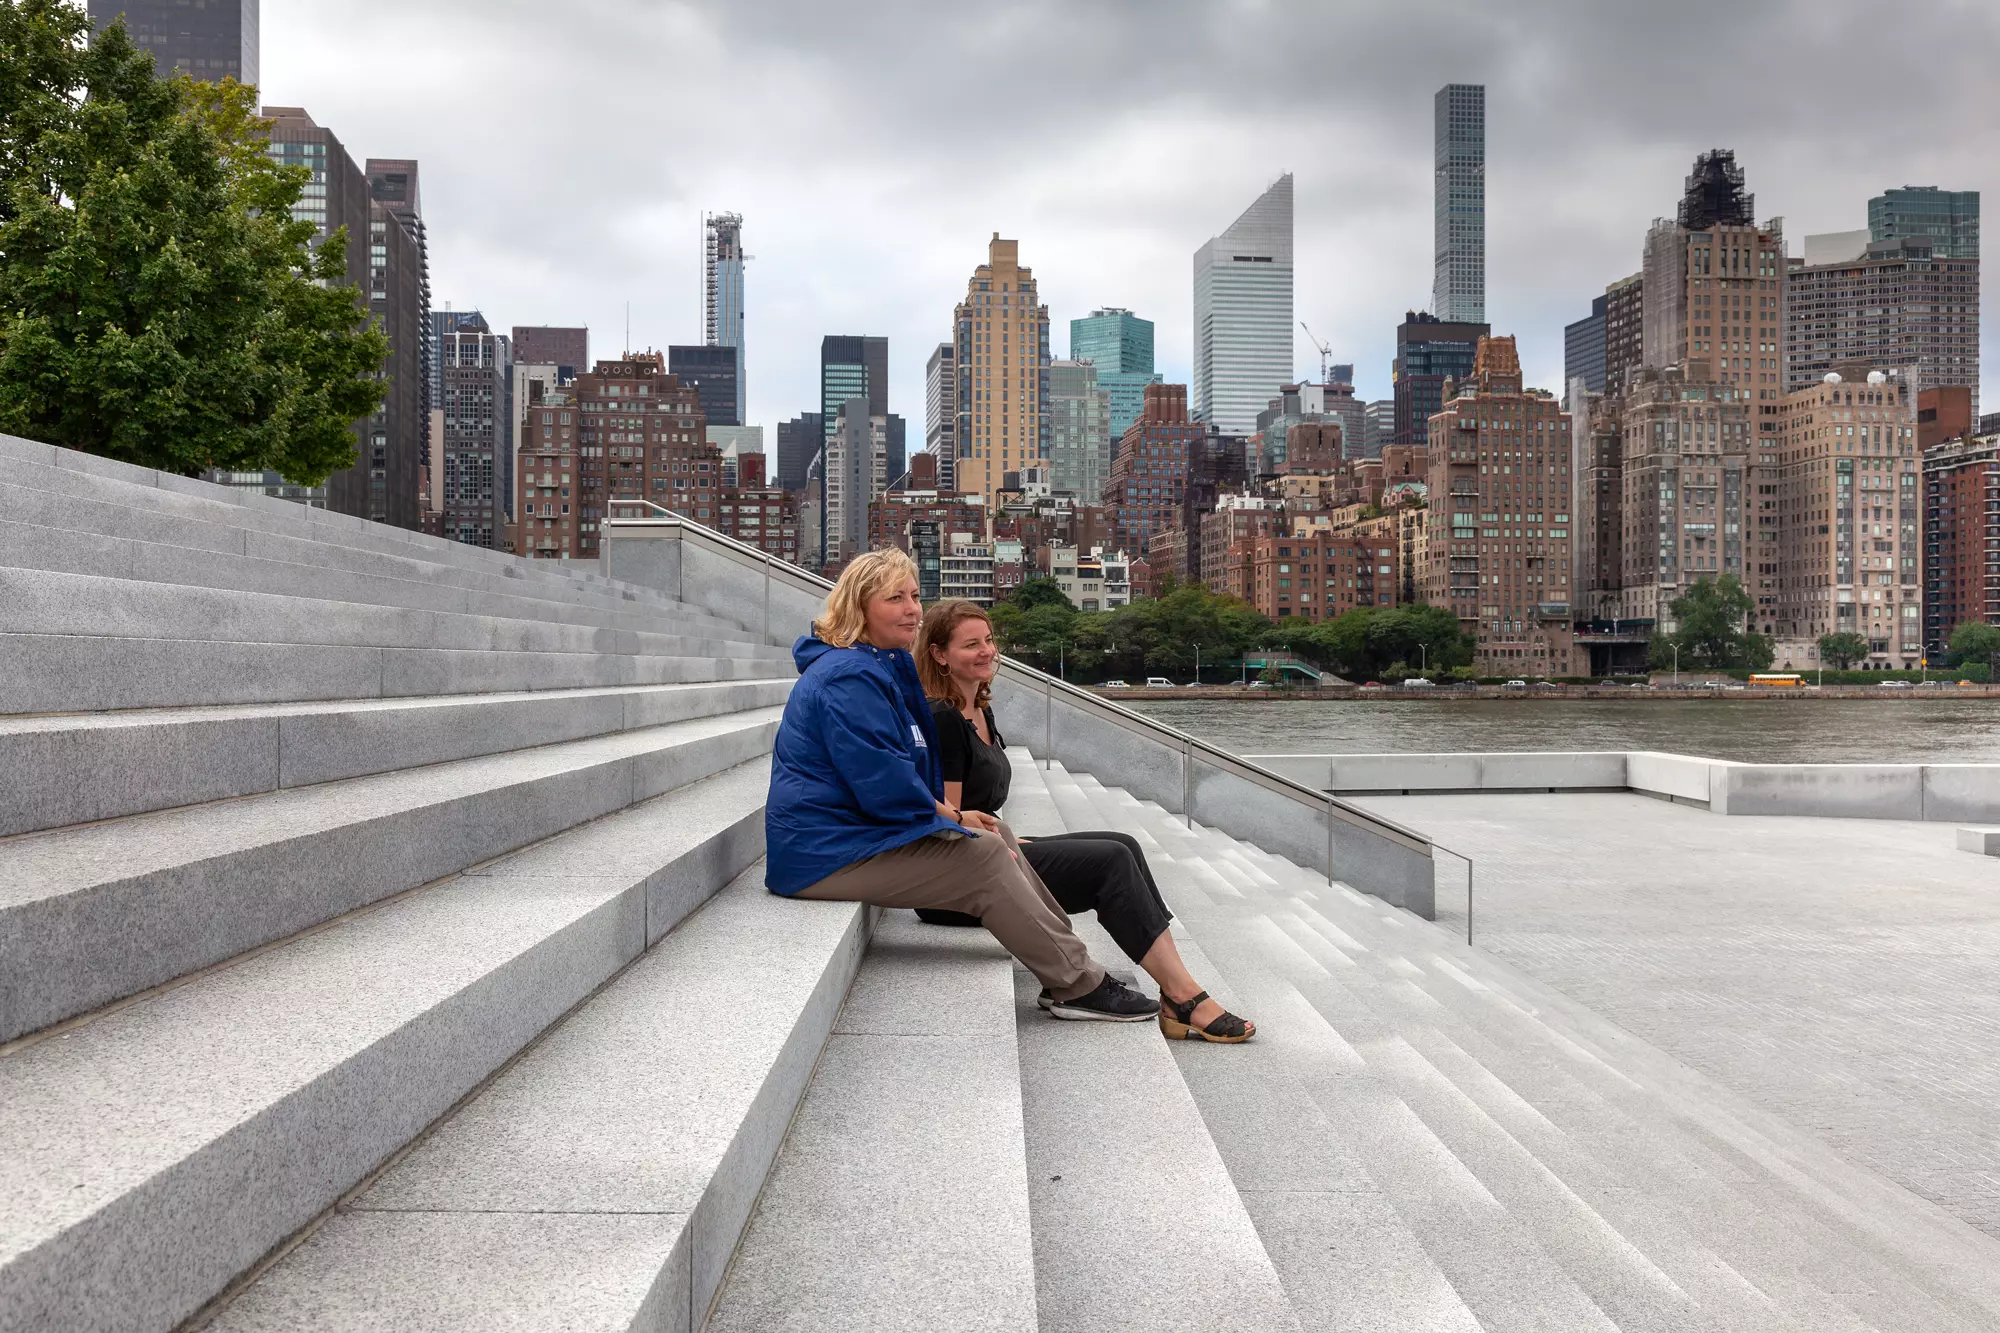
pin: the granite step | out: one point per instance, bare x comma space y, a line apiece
900, 1198
1031, 811
1598, 1176
38, 602
307, 571
91, 914
93, 766
157, 1151
89, 495
602, 1180
1137, 1225
65, 673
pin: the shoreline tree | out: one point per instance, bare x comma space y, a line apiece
159, 304
1843, 648
1709, 621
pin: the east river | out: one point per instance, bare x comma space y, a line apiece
1784, 731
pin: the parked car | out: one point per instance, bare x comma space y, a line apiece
1929, 684
1158, 683
1194, 685
1259, 685
1892, 684
1373, 685
1516, 685
1418, 683
1547, 685
1116, 685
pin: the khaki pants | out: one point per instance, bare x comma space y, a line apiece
985, 877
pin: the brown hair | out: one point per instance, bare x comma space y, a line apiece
940, 623
846, 613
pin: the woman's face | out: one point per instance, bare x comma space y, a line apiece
971, 656
892, 615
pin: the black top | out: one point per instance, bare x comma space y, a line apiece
963, 757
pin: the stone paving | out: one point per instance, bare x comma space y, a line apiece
1844, 974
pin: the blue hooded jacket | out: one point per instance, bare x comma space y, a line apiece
854, 771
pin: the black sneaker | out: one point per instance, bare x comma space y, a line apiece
1112, 1002
1044, 1000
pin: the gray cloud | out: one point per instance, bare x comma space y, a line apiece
568, 152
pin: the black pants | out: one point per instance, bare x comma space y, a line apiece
1102, 872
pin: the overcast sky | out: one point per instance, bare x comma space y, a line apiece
569, 150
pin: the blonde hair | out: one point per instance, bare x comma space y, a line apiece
940, 623
846, 614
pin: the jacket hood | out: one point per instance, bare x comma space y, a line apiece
809, 649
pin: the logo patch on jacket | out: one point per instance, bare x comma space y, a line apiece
917, 735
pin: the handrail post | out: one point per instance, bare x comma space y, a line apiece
767, 599
1048, 724
1468, 902
1187, 783
1329, 841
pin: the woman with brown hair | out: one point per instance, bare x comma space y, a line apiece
1104, 872
855, 812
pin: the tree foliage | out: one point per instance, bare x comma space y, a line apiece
1843, 648
1037, 590
158, 302
1709, 630
1975, 643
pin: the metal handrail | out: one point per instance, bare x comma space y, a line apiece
1050, 687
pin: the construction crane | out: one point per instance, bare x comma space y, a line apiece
1325, 350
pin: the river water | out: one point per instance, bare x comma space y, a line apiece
1781, 731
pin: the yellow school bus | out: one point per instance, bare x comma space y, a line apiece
1778, 678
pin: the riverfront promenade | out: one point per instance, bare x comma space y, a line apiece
1842, 974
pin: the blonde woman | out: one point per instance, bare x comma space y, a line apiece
1087, 871
855, 812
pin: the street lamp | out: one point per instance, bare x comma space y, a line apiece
1677, 662
1197, 664
1425, 660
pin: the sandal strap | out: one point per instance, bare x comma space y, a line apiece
1228, 1025
1184, 1010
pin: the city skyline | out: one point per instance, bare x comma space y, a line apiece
1157, 169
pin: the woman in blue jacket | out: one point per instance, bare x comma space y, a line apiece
856, 810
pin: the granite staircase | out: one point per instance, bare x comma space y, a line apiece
383, 945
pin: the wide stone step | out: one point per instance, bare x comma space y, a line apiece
1137, 1224
91, 766
84, 494
1030, 811
68, 673
313, 570
92, 914
156, 1152
1605, 1175
603, 1179
44, 603
900, 1199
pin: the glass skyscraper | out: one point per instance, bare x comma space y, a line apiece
1243, 317
1458, 287
1120, 345
722, 293
1949, 217
212, 41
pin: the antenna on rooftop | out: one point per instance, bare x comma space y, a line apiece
1325, 350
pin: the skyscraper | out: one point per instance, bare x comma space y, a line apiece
1714, 289
1883, 303
567, 349
1243, 318
1079, 430
713, 370
722, 294
336, 196
473, 370
1429, 351
941, 412
1583, 348
1949, 217
1518, 608
1624, 328
397, 436
1120, 345
1458, 286
799, 442
849, 368
1002, 357
212, 41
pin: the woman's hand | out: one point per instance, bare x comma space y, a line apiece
950, 812
979, 819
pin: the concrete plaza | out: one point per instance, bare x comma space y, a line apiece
1843, 974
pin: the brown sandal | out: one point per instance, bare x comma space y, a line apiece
1176, 1022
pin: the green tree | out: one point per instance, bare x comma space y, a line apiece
1038, 590
1843, 648
1363, 642
1709, 633
1975, 643
158, 302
